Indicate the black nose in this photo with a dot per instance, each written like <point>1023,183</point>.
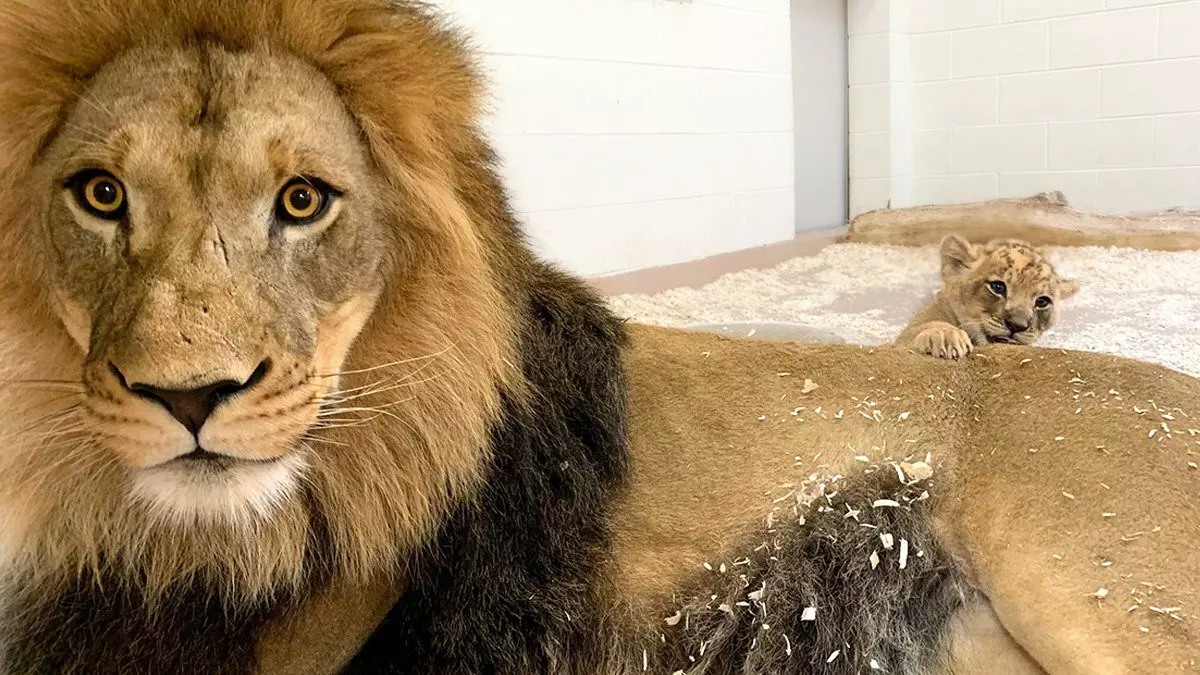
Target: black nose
<point>1016,325</point>
<point>192,407</point>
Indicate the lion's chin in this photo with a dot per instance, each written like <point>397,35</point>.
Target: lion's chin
<point>193,490</point>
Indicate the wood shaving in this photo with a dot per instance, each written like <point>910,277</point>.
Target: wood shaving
<point>833,656</point>
<point>1101,593</point>
<point>1068,495</point>
<point>903,553</point>
<point>903,416</point>
<point>723,607</point>
<point>887,540</point>
<point>674,620</point>
<point>809,614</point>
<point>874,559</point>
<point>875,665</point>
<point>880,503</point>
<point>917,471</point>
<point>809,386</point>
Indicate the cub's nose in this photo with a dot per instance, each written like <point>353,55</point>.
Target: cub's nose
<point>1016,325</point>
<point>193,407</point>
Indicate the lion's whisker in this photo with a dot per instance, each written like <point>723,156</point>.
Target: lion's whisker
<point>404,385</point>
<point>393,364</point>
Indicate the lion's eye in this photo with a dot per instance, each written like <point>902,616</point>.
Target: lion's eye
<point>998,287</point>
<point>1043,302</point>
<point>100,194</point>
<point>303,201</point>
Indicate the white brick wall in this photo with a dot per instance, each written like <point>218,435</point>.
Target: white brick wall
<point>1005,98</point>
<point>637,133</point>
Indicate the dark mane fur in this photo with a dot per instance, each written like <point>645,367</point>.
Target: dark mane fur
<point>505,586</point>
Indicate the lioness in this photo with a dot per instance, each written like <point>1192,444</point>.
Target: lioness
<point>1003,291</point>
<point>284,391</point>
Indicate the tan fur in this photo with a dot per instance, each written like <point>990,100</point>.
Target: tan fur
<point>413,363</point>
<point>707,470</point>
<point>966,313</point>
<point>422,354</point>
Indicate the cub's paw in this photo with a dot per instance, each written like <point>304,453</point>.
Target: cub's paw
<point>943,341</point>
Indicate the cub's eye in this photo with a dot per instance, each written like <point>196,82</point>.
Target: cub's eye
<point>100,194</point>
<point>303,201</point>
<point>1043,302</point>
<point>998,287</point>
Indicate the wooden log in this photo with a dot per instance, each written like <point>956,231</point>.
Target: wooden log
<point>1045,219</point>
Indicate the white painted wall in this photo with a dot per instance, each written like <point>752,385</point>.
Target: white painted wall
<point>961,100</point>
<point>638,133</point>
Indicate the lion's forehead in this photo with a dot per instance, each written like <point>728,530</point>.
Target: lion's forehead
<point>214,121</point>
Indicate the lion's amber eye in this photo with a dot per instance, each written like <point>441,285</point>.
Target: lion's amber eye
<point>100,194</point>
<point>303,201</point>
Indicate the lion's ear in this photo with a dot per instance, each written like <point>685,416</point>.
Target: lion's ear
<point>957,255</point>
<point>1067,287</point>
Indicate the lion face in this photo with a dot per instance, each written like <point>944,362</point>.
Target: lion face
<point>1004,291</point>
<point>215,252</point>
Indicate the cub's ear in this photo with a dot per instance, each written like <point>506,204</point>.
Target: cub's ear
<point>1067,287</point>
<point>957,255</point>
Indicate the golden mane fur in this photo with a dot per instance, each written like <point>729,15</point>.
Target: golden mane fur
<point>417,100</point>
<point>492,473</point>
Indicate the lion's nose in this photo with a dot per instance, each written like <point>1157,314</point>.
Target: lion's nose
<point>192,407</point>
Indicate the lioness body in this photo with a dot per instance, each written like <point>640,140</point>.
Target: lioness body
<point>379,436</point>
<point>706,472</point>
<point>1020,489</point>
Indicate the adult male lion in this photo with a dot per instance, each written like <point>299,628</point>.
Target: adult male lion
<point>284,390</point>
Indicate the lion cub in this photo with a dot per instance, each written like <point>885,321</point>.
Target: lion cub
<point>1002,291</point>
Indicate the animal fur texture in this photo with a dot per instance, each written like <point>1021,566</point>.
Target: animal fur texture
<point>426,451</point>
<point>1002,291</point>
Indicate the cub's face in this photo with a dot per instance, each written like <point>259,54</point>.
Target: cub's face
<point>215,250</point>
<point>1004,291</point>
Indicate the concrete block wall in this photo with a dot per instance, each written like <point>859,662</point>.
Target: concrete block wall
<point>639,133</point>
<point>962,100</point>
